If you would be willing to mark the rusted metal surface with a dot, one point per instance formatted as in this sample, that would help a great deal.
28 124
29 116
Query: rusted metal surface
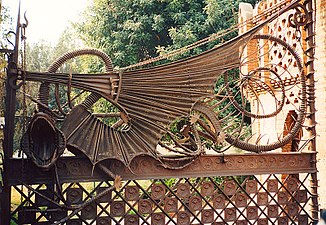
118 207
80 169
151 100
43 142
10 109
310 52
150 104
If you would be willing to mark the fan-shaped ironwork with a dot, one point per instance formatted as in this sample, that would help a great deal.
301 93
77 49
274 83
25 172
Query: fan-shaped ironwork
187 107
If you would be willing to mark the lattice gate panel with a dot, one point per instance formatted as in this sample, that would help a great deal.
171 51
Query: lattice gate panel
265 199
153 104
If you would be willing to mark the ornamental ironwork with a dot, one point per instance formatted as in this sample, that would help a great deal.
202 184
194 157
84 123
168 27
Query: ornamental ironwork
190 120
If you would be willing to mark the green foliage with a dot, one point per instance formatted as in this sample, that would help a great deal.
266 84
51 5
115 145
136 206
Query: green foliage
6 22
170 182
6 25
39 56
42 54
132 31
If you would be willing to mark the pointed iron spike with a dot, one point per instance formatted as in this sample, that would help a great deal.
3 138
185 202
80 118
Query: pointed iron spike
16 47
26 20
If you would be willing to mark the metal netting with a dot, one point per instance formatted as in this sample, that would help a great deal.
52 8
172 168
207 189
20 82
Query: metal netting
265 199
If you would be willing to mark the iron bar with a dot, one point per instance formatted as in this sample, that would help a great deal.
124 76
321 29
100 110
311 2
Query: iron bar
156 204
148 168
311 118
10 108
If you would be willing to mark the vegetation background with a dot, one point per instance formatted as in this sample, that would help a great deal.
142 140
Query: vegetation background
129 31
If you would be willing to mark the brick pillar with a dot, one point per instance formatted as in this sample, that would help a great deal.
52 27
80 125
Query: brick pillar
248 59
320 66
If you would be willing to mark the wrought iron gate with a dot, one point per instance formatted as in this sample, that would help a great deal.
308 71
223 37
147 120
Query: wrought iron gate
182 201
192 187
170 197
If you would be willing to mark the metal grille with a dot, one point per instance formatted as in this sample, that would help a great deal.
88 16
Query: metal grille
265 199
257 199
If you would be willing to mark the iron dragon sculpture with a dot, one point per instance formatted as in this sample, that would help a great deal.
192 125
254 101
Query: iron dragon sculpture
150 100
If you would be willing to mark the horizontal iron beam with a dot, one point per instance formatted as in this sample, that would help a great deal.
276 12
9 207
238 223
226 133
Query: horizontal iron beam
74 169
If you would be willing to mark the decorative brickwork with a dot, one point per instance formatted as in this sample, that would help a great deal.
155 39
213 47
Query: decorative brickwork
122 176
282 70
320 66
283 29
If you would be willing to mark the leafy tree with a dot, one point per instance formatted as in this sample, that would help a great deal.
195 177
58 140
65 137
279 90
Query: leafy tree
39 56
131 31
6 25
6 22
